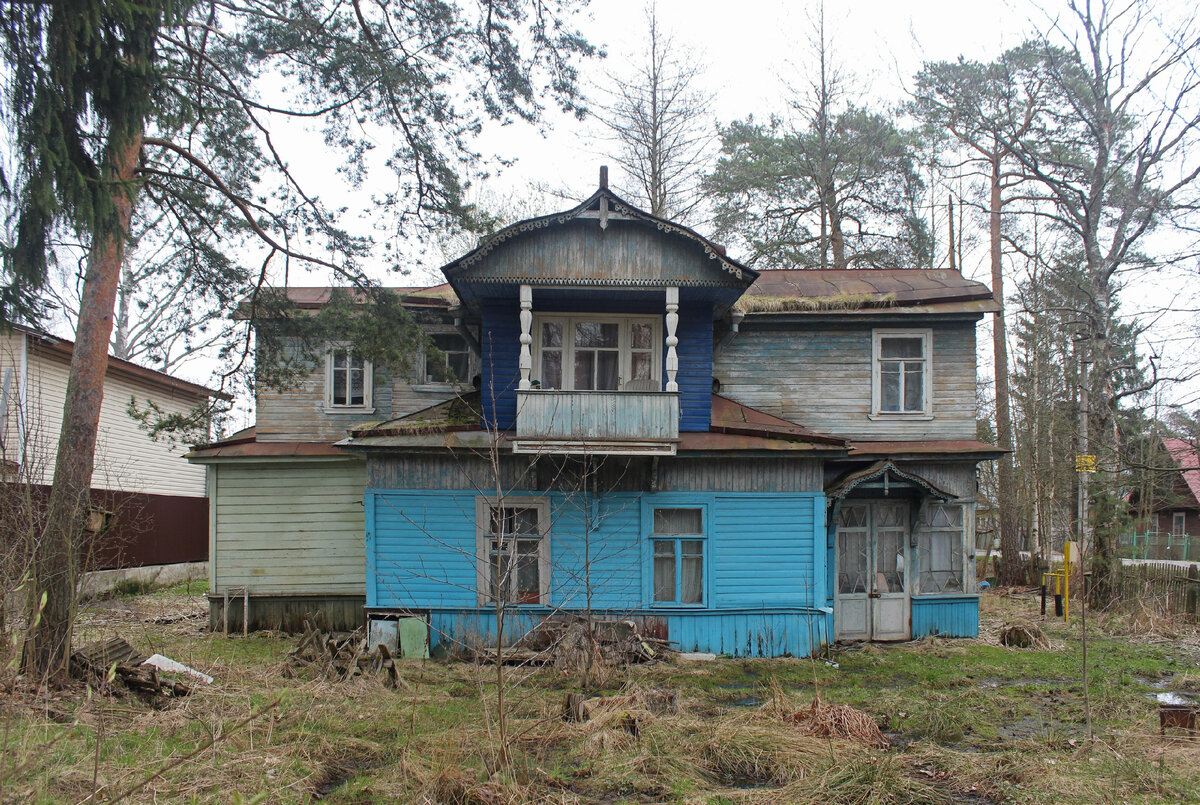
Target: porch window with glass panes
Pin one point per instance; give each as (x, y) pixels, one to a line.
(678, 544)
(586, 353)
(940, 543)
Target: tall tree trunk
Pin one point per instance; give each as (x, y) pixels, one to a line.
(1012, 570)
(58, 558)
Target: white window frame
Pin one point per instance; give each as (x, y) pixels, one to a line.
(926, 336)
(421, 367)
(624, 344)
(332, 407)
(483, 564)
(1178, 523)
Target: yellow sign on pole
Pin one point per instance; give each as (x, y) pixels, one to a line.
(1085, 462)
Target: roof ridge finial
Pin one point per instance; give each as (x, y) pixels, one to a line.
(603, 177)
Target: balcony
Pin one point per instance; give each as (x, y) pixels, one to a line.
(636, 423)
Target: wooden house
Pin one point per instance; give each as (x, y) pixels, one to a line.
(148, 502)
(745, 463)
(1179, 514)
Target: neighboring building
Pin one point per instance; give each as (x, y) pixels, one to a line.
(1179, 514)
(748, 463)
(148, 502)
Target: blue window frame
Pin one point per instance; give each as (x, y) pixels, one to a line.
(678, 548)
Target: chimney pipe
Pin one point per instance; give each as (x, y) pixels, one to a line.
(604, 176)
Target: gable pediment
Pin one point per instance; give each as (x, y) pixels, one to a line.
(603, 242)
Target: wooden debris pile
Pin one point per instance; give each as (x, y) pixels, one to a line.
(94, 662)
(343, 655)
(570, 644)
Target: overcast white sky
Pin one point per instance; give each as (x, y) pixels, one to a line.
(752, 50)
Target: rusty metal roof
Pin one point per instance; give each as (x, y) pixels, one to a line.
(733, 418)
(941, 447)
(835, 289)
(245, 444)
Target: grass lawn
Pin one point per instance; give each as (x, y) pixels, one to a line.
(969, 722)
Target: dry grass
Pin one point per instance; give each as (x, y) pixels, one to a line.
(813, 735)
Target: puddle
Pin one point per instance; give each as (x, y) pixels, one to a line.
(1156, 682)
(1005, 682)
(748, 701)
(1171, 699)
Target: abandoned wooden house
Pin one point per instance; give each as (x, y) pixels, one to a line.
(751, 463)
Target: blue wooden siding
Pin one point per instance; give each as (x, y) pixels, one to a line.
(764, 578)
(946, 615)
(755, 633)
(500, 339)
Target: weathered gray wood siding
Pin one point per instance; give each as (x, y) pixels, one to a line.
(287, 527)
(821, 378)
(298, 414)
(464, 472)
(623, 253)
(740, 475)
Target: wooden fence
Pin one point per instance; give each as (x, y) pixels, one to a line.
(1161, 587)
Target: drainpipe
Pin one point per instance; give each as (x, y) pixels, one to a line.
(735, 320)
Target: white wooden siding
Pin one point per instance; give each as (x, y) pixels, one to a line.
(127, 459)
(821, 378)
(286, 527)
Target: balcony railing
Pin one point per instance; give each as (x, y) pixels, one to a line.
(597, 422)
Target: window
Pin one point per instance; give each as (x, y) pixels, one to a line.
(594, 353)
(940, 550)
(677, 543)
(453, 365)
(347, 379)
(1179, 523)
(513, 552)
(901, 376)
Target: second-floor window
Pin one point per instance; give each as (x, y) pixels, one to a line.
(901, 372)
(598, 353)
(347, 379)
(453, 364)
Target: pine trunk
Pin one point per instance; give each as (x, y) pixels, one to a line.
(58, 561)
(1012, 570)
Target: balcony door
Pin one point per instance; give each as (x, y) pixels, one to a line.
(872, 600)
(598, 353)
